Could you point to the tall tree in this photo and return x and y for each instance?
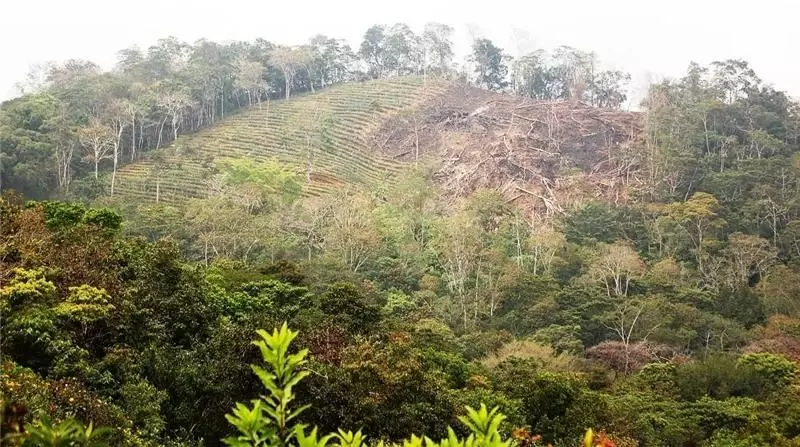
(615, 266)
(373, 51)
(608, 89)
(289, 60)
(331, 60)
(491, 68)
(576, 69)
(700, 217)
(118, 114)
(534, 77)
(173, 100)
(27, 141)
(97, 139)
(249, 77)
(438, 48)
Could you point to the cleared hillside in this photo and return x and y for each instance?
(325, 136)
(548, 156)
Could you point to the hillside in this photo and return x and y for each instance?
(509, 239)
(322, 135)
(543, 154)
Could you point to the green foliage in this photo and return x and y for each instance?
(349, 307)
(85, 305)
(64, 215)
(561, 338)
(27, 137)
(752, 375)
(407, 296)
(398, 304)
(777, 371)
(26, 287)
(268, 422)
(276, 184)
(594, 222)
(557, 406)
(44, 433)
(485, 425)
(491, 66)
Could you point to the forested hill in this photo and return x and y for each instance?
(498, 232)
(77, 122)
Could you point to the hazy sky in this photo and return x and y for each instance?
(646, 38)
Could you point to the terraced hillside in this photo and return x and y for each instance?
(326, 136)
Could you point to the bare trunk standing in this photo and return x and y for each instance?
(176, 118)
(119, 125)
(96, 139)
(64, 153)
(160, 132)
(288, 60)
(133, 137)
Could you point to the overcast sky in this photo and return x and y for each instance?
(649, 39)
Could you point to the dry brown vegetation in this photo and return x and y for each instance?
(547, 156)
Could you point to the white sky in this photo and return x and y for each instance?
(646, 38)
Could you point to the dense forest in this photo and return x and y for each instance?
(668, 316)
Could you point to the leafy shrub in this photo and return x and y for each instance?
(271, 419)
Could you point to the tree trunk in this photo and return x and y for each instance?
(64, 163)
(161, 131)
(116, 156)
(174, 127)
(133, 138)
(114, 173)
(141, 134)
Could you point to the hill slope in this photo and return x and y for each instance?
(323, 135)
(543, 154)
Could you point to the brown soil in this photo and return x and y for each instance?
(547, 156)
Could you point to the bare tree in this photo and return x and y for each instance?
(458, 246)
(118, 114)
(624, 320)
(543, 245)
(289, 60)
(249, 78)
(97, 140)
(353, 232)
(173, 103)
(615, 265)
(64, 139)
(64, 151)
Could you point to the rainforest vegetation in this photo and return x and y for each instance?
(666, 316)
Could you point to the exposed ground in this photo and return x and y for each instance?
(546, 155)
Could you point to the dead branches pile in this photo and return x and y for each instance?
(546, 155)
